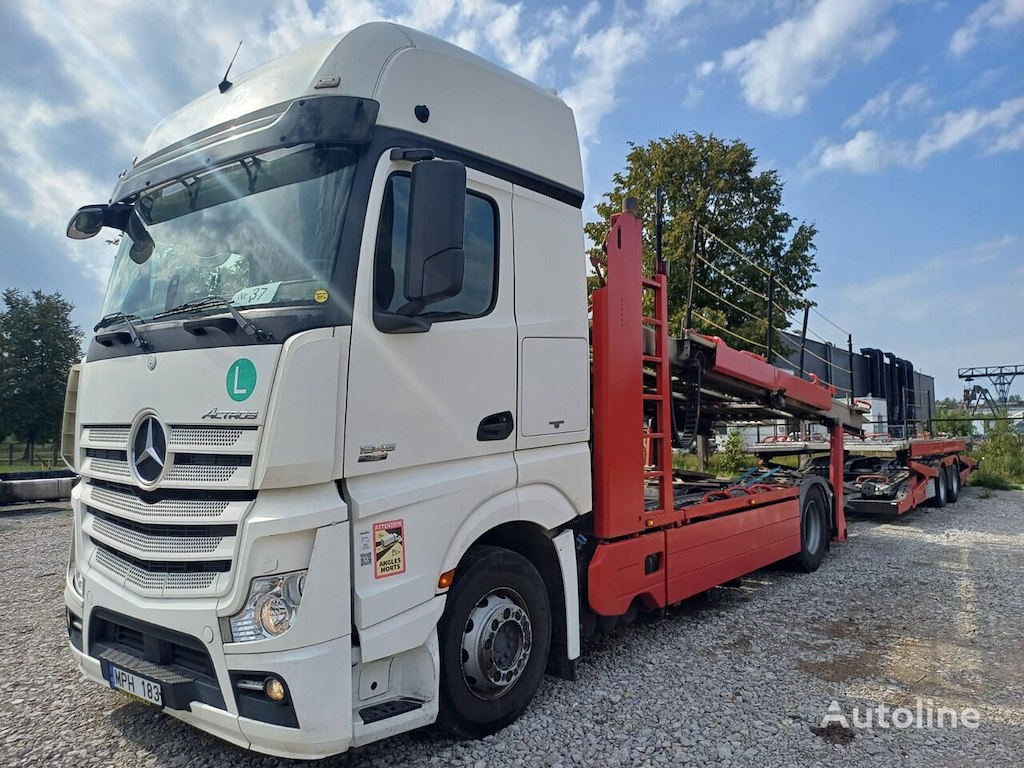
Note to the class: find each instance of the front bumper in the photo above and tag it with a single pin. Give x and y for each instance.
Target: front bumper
(177, 641)
(309, 675)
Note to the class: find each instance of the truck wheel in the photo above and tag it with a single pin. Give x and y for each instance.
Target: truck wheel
(953, 482)
(814, 531)
(494, 636)
(939, 499)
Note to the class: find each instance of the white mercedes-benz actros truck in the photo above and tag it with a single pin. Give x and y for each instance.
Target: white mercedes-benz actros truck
(341, 474)
(333, 426)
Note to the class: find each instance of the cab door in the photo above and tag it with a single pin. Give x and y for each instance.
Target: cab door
(447, 394)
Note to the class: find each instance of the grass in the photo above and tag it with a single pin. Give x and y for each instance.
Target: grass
(985, 478)
(1002, 460)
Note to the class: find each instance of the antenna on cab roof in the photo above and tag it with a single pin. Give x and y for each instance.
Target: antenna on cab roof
(225, 83)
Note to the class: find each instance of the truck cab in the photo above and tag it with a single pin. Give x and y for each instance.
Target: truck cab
(333, 429)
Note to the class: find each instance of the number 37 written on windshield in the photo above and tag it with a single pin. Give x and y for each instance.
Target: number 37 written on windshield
(256, 294)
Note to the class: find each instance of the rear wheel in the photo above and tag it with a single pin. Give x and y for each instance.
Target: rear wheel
(940, 497)
(953, 482)
(494, 636)
(814, 531)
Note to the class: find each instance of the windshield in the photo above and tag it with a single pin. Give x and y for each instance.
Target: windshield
(263, 230)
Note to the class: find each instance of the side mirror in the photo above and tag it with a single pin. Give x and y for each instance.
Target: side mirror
(142, 242)
(87, 222)
(434, 260)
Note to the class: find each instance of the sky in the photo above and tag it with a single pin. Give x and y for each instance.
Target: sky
(896, 125)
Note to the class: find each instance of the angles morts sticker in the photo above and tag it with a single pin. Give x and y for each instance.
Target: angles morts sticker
(388, 548)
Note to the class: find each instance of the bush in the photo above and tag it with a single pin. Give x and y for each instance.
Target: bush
(732, 459)
(1002, 459)
(986, 479)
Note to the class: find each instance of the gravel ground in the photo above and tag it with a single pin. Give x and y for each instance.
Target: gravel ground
(929, 606)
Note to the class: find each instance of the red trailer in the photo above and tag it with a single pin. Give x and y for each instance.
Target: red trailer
(883, 475)
(659, 536)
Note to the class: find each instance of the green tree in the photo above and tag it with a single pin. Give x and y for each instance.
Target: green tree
(952, 420)
(713, 190)
(38, 345)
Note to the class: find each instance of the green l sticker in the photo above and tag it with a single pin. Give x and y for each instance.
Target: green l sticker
(241, 379)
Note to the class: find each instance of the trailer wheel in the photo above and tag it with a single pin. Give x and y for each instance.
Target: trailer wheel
(940, 497)
(953, 482)
(494, 636)
(814, 531)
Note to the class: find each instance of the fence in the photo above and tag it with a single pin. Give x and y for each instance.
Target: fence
(17, 457)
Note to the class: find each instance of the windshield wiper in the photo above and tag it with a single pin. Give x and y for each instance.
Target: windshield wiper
(106, 339)
(215, 302)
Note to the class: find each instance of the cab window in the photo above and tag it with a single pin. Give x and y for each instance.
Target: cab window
(479, 285)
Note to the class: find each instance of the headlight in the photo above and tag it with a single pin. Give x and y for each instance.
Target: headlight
(270, 609)
(74, 576)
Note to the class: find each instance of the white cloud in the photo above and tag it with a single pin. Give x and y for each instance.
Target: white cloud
(427, 15)
(887, 101)
(994, 14)
(869, 152)
(705, 68)
(781, 69)
(875, 107)
(661, 10)
(988, 250)
(866, 152)
(954, 128)
(602, 58)
(1009, 141)
(123, 67)
(52, 192)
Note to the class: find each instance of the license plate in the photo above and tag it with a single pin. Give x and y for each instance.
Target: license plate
(136, 686)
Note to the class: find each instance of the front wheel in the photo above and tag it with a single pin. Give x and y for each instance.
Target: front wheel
(494, 640)
(814, 531)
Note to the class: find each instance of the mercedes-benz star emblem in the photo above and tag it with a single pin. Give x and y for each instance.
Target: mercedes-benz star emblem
(149, 450)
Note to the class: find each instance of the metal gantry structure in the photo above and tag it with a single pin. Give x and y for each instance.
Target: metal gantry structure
(1001, 376)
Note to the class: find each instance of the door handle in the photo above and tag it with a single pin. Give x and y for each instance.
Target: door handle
(497, 426)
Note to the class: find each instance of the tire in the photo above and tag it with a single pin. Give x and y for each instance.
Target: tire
(494, 638)
(814, 531)
(941, 490)
(953, 482)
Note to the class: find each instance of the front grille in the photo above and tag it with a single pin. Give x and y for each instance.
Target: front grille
(197, 456)
(147, 581)
(206, 437)
(158, 530)
(212, 460)
(106, 453)
(169, 566)
(122, 499)
(156, 544)
(200, 474)
(136, 536)
(117, 435)
(180, 538)
(110, 468)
